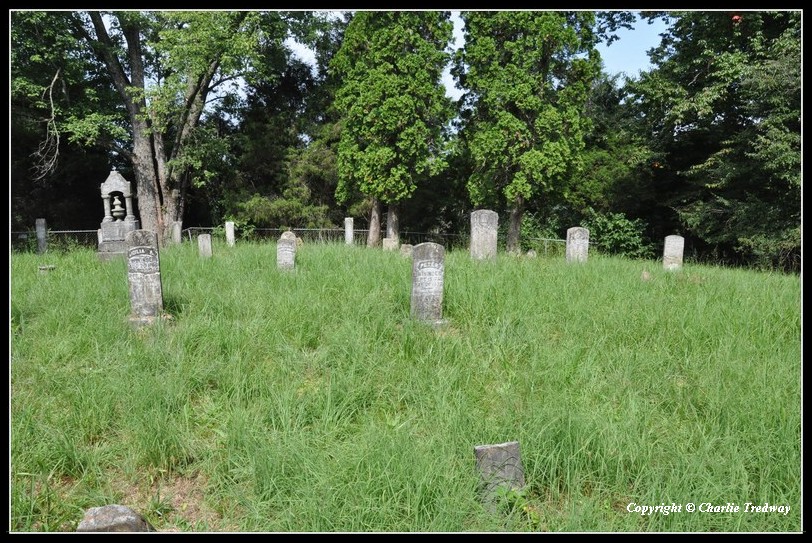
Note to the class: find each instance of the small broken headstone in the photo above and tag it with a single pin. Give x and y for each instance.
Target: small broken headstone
(500, 466)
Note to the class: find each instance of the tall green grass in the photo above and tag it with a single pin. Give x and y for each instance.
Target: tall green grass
(310, 401)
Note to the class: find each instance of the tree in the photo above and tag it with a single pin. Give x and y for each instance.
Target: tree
(527, 77)
(723, 108)
(393, 108)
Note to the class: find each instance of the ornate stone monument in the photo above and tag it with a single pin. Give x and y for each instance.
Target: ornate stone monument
(119, 217)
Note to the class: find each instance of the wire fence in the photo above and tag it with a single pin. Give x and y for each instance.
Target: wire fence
(66, 240)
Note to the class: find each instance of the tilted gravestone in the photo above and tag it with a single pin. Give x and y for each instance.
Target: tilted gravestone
(113, 518)
(348, 231)
(577, 244)
(230, 233)
(204, 245)
(286, 251)
(119, 218)
(144, 277)
(500, 466)
(428, 269)
(672, 252)
(484, 229)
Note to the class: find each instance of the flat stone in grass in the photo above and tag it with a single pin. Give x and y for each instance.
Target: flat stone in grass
(484, 229)
(286, 251)
(428, 269)
(577, 244)
(113, 518)
(672, 252)
(204, 245)
(144, 277)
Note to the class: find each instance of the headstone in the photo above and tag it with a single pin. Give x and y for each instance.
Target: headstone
(406, 250)
(119, 218)
(390, 244)
(348, 231)
(672, 252)
(230, 233)
(204, 245)
(42, 235)
(531, 253)
(484, 229)
(428, 269)
(46, 268)
(113, 518)
(286, 251)
(499, 466)
(177, 232)
(144, 277)
(577, 244)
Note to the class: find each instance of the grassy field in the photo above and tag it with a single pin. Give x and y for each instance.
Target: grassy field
(310, 401)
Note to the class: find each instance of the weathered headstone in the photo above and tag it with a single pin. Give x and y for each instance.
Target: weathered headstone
(577, 244)
(177, 232)
(46, 268)
(531, 253)
(484, 229)
(113, 518)
(390, 244)
(144, 277)
(204, 245)
(348, 231)
(286, 251)
(42, 235)
(672, 252)
(406, 250)
(428, 269)
(230, 233)
(119, 218)
(500, 466)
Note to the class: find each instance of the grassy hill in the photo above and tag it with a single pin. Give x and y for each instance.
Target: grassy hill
(310, 401)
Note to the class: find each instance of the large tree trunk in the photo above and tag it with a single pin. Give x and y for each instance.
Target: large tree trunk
(515, 226)
(374, 237)
(393, 222)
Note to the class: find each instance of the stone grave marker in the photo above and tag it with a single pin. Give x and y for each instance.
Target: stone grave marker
(348, 231)
(286, 251)
(230, 233)
(500, 466)
(484, 229)
(42, 235)
(204, 245)
(113, 518)
(144, 277)
(428, 269)
(672, 252)
(577, 244)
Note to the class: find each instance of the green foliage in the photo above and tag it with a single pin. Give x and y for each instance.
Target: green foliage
(527, 76)
(724, 110)
(393, 108)
(615, 234)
